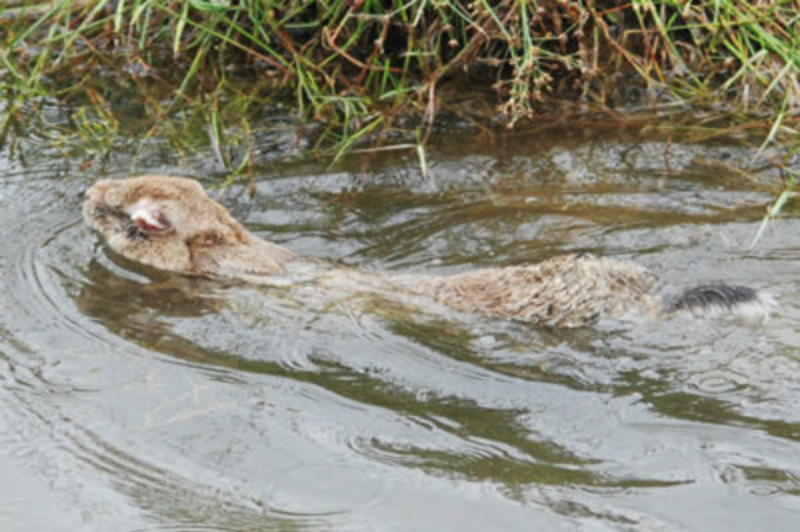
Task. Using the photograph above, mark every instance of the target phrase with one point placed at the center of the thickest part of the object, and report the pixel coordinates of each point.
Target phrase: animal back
(565, 291)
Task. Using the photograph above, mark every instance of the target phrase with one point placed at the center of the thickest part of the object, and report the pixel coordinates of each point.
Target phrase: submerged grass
(363, 72)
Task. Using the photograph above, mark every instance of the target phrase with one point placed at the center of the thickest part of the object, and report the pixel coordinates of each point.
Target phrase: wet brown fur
(205, 240)
(564, 291)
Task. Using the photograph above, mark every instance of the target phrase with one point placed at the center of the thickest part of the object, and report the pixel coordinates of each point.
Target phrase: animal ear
(149, 218)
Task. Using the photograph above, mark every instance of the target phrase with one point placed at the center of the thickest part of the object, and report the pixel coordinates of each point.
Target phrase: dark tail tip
(717, 299)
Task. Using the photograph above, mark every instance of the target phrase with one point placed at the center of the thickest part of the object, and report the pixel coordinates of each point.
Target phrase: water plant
(364, 72)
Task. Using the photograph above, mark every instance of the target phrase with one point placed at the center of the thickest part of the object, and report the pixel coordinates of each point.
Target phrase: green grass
(370, 72)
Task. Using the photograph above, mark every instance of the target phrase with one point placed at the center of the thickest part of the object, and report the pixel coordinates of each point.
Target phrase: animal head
(166, 222)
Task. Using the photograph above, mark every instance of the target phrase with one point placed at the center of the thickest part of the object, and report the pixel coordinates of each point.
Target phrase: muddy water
(134, 400)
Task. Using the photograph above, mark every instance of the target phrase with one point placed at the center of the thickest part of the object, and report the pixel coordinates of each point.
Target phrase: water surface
(132, 400)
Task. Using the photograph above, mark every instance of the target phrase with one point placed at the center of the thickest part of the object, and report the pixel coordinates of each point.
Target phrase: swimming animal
(171, 223)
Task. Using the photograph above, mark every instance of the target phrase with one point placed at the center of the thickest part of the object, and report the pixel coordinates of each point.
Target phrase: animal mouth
(134, 232)
(117, 222)
(141, 224)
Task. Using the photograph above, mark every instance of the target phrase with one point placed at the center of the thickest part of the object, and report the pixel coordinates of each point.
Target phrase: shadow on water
(187, 403)
(142, 309)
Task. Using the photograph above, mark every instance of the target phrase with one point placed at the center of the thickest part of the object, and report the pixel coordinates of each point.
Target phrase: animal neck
(252, 257)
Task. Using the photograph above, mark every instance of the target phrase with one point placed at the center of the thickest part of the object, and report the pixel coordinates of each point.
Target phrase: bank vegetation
(378, 74)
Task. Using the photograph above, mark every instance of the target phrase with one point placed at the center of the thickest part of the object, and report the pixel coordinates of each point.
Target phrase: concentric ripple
(131, 399)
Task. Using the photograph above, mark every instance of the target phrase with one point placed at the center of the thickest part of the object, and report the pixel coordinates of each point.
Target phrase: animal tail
(720, 299)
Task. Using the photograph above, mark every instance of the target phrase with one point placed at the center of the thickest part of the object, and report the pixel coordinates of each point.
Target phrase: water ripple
(138, 400)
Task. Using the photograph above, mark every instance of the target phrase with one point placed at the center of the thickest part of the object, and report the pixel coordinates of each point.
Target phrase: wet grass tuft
(366, 74)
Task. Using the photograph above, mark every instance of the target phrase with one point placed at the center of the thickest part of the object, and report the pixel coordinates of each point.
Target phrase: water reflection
(491, 443)
(151, 400)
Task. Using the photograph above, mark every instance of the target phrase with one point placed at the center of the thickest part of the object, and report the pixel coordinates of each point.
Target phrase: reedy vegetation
(365, 70)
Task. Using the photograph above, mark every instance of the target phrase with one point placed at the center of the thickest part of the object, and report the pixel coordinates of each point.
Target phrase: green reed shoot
(363, 69)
